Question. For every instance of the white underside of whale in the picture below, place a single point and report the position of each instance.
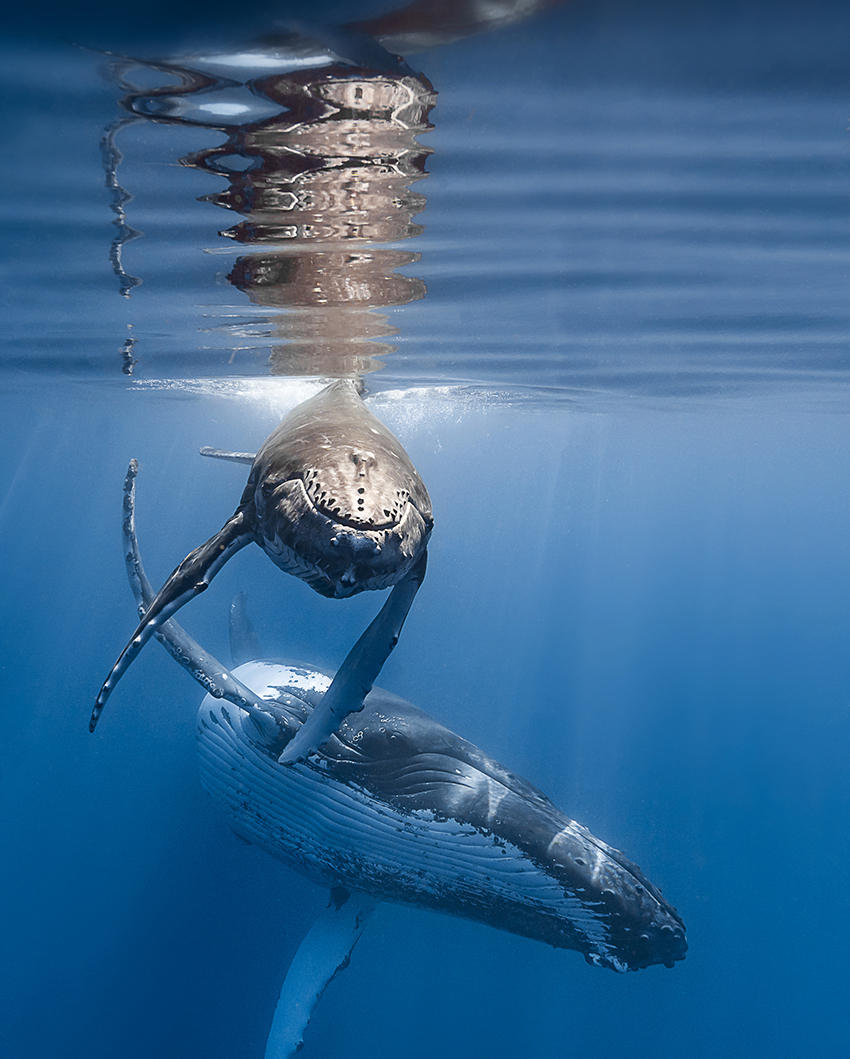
(339, 834)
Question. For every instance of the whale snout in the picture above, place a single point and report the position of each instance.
(644, 935)
(334, 557)
(673, 945)
(659, 944)
(359, 543)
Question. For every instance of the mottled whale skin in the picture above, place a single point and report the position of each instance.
(331, 497)
(399, 807)
(334, 498)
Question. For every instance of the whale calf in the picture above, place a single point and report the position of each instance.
(332, 497)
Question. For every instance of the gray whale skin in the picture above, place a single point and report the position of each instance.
(399, 807)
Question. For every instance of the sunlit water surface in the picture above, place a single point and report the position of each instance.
(627, 391)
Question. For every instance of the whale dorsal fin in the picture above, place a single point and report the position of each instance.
(244, 643)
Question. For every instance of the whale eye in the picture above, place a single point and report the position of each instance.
(397, 744)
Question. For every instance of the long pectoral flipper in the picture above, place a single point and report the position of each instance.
(224, 454)
(359, 671)
(323, 952)
(190, 578)
(207, 670)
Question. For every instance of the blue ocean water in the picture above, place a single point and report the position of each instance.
(627, 391)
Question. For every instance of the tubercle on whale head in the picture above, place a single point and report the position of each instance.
(641, 948)
(335, 557)
(361, 503)
(641, 929)
(365, 489)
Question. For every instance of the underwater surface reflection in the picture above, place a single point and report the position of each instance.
(583, 234)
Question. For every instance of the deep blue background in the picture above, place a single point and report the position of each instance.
(627, 392)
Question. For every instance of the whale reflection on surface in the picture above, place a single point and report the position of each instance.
(319, 160)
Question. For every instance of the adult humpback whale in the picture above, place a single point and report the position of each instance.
(399, 808)
(332, 497)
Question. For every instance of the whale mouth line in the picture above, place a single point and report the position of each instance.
(334, 511)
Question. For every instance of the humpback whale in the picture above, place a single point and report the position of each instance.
(331, 497)
(397, 807)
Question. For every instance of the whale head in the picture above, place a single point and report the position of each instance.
(343, 509)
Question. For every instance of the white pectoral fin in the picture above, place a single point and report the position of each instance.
(357, 674)
(203, 667)
(190, 578)
(323, 952)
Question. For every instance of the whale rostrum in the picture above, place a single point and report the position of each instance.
(332, 497)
